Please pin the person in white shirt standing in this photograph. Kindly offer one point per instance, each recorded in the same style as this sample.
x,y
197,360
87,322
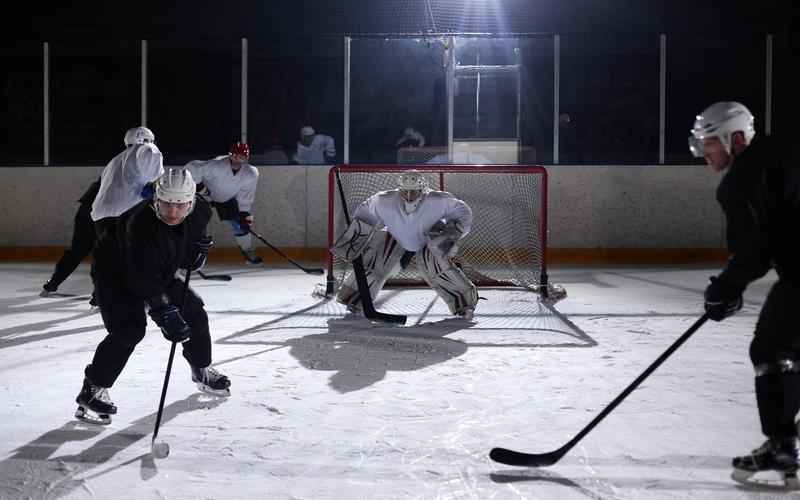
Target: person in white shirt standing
x,y
391,227
314,149
231,184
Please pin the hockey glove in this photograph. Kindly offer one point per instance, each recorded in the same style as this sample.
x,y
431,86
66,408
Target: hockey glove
x,y
201,247
443,236
722,299
149,191
172,325
245,221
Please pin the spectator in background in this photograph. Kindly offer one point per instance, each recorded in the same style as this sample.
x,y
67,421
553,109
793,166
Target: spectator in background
x,y
314,149
411,139
568,150
275,155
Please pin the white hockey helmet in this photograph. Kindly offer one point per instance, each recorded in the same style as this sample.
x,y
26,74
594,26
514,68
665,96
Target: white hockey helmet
x,y
175,186
139,135
721,120
413,187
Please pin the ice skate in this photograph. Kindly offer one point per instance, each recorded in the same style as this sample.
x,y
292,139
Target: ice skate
x,y
553,293
47,289
780,456
94,404
466,314
251,257
210,381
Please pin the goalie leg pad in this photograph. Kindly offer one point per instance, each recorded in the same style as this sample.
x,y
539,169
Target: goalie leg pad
x,y
354,241
449,282
381,259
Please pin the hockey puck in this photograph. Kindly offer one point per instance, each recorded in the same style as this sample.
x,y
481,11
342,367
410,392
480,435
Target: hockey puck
x,y
160,449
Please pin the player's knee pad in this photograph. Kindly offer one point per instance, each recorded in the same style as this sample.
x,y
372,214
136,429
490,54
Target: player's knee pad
x,y
449,281
381,258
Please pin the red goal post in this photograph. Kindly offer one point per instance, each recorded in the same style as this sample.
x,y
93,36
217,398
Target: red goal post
x,y
507,245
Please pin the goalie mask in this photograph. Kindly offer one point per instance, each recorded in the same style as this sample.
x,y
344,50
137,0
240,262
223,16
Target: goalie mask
x,y
139,135
413,187
721,120
174,196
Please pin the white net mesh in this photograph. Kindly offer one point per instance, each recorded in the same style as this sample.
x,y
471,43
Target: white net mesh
x,y
508,239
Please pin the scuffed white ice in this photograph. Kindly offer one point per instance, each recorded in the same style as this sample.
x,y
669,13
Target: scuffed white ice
x,y
328,406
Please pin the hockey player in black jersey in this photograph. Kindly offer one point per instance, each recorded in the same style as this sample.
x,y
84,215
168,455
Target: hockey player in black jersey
x,y
760,196
155,239
83,237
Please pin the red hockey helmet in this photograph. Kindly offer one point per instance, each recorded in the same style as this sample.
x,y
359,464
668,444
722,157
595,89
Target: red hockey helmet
x,y
240,148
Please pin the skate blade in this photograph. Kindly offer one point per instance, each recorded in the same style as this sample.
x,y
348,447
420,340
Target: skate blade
x,y
320,291
221,393
91,417
768,479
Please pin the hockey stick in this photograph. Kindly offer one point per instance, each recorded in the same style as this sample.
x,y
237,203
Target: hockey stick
x,y
511,457
214,277
361,276
161,450
309,270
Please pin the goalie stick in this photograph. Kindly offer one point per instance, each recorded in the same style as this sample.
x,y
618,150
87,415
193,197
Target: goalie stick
x,y
215,277
361,277
309,270
511,457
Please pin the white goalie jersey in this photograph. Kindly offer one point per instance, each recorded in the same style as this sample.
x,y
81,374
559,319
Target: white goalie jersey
x,y
411,230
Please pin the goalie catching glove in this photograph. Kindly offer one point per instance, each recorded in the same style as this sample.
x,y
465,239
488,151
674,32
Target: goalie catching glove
x,y
443,236
353,241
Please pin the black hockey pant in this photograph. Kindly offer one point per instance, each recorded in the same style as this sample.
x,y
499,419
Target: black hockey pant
x,y
125,319
83,238
775,353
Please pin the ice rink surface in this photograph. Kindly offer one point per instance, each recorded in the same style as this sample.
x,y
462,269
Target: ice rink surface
x,y
325,406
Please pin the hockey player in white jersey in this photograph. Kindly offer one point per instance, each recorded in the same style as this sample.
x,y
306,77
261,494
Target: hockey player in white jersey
x,y
124,183
124,179
391,227
231,184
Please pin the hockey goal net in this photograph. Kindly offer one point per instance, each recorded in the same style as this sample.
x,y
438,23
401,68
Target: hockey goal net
x,y
508,241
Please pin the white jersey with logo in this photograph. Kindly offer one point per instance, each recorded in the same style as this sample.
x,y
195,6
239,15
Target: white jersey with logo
x,y
321,147
411,230
223,183
123,179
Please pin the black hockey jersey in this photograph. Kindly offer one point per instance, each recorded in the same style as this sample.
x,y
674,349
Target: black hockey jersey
x,y
760,196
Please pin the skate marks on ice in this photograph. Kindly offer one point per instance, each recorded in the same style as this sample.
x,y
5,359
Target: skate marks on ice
x,y
26,321
361,358
610,477
37,470
512,318
360,352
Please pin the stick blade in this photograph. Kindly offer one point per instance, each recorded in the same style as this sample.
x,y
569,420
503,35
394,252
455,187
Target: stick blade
x,y
218,277
315,271
396,319
511,457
